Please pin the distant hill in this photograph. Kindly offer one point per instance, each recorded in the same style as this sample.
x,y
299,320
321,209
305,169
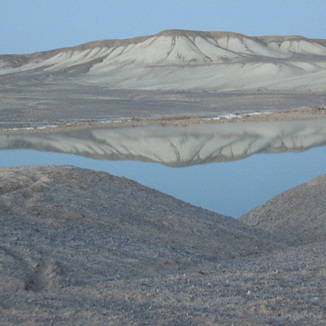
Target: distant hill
x,y
181,60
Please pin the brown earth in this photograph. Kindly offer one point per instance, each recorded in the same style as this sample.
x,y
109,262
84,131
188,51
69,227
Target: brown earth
x,y
85,248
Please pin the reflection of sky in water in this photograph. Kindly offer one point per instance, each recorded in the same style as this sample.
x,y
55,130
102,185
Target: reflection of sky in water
x,y
230,188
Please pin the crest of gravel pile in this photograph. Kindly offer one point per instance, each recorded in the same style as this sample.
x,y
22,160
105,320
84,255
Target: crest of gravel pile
x,y
297,215
68,226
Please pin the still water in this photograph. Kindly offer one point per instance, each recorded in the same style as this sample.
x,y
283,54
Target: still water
x,y
228,168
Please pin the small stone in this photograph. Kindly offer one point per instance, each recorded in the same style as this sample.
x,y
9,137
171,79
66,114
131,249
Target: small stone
x,y
314,299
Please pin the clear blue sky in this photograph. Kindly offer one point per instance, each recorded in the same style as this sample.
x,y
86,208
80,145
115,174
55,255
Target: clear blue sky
x,y
29,26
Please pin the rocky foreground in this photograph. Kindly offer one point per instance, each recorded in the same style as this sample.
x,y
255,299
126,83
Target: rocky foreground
x,y
85,248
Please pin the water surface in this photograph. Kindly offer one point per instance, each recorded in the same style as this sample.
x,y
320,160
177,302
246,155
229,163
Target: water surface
x,y
227,168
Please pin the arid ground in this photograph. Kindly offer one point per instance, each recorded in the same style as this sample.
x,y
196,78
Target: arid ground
x,y
85,248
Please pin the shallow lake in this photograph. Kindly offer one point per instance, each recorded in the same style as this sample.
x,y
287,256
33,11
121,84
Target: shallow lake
x,y
227,168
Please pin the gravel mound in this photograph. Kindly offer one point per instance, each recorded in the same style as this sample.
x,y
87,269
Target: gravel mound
x,y
79,247
107,228
297,215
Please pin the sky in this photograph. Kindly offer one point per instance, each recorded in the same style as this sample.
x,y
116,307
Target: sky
x,y
28,26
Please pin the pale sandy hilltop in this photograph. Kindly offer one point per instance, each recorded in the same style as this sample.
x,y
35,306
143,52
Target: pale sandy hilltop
x,y
84,248
171,74
184,60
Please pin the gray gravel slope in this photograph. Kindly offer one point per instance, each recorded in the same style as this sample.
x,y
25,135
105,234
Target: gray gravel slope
x,y
297,215
79,247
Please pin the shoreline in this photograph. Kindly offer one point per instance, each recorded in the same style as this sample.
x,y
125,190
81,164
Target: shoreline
x,y
50,126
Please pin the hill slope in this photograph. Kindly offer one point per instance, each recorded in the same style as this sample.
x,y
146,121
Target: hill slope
x,y
183,60
107,227
84,248
298,215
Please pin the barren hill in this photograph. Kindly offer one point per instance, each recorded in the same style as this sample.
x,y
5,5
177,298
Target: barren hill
x,y
105,224
181,60
84,248
297,215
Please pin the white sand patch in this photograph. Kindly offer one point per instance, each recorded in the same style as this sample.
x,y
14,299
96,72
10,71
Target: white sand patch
x,y
303,46
234,116
213,51
31,128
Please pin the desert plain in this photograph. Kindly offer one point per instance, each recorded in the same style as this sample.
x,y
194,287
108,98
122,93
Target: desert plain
x,y
80,247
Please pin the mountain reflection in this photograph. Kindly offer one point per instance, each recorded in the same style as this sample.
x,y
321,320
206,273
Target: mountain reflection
x,y
179,146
